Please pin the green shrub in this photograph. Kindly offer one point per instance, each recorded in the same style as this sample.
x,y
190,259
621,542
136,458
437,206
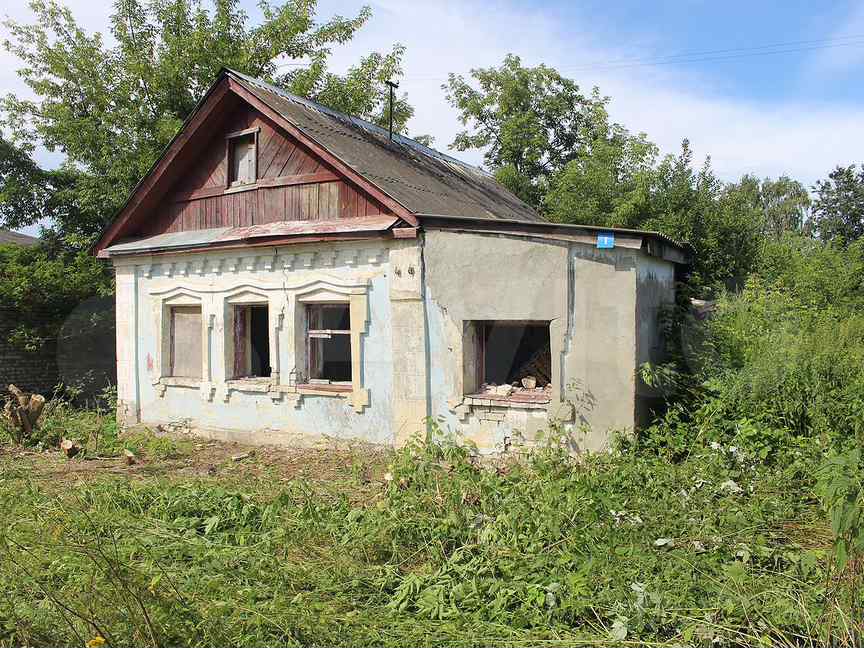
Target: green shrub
x,y
781,363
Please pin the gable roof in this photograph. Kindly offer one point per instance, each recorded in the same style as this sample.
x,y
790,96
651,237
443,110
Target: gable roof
x,y
419,185
423,180
8,237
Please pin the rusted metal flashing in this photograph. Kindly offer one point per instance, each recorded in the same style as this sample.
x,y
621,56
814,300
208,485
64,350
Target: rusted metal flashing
x,y
264,234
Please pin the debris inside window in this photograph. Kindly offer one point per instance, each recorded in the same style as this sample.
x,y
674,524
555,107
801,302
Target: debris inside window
x,y
514,360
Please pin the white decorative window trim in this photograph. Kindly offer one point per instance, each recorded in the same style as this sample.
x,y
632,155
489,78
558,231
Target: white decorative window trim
x,y
281,301
356,295
160,378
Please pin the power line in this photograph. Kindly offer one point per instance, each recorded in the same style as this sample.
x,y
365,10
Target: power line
x,y
789,47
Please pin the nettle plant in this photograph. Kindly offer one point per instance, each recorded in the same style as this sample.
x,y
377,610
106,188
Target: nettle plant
x,y
841,488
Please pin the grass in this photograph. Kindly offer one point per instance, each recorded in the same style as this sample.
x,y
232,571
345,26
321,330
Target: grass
x,y
420,547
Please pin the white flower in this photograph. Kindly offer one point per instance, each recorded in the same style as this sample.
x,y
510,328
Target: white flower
x,y
730,486
388,477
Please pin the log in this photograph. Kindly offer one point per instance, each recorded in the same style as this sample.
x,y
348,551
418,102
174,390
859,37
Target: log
x,y
23,411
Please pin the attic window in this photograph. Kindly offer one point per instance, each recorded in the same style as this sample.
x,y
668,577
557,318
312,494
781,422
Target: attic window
x,y
242,157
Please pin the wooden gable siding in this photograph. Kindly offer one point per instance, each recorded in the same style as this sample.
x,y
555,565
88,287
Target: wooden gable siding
x,y
293,184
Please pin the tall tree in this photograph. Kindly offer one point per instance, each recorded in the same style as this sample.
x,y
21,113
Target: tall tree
x,y
785,205
112,109
530,122
838,210
609,181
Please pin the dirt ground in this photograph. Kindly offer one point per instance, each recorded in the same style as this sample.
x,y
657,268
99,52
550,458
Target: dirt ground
x,y
194,457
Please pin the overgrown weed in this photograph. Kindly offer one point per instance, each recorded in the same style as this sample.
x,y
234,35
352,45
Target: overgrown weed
x,y
612,548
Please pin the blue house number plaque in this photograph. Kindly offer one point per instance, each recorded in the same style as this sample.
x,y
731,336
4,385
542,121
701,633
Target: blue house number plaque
x,y
606,241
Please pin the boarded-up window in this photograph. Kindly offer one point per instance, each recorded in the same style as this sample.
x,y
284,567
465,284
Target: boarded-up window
x,y
251,342
241,159
329,343
186,341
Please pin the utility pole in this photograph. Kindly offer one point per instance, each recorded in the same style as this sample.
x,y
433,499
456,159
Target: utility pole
x,y
393,85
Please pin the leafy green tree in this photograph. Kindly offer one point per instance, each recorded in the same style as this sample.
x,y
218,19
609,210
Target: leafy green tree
x,y
785,205
111,109
530,121
608,182
838,211
43,286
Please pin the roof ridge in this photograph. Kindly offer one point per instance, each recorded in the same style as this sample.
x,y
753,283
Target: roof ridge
x,y
361,123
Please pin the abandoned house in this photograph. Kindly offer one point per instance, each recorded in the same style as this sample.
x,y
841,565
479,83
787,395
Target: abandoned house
x,y
286,271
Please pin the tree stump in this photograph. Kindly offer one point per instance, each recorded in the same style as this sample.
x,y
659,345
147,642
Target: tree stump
x,y
22,411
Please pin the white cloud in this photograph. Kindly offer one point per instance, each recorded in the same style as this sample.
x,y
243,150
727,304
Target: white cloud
x,y
802,138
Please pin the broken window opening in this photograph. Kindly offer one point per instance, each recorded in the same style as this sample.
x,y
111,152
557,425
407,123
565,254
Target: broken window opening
x,y
329,344
242,159
513,359
252,342
185,345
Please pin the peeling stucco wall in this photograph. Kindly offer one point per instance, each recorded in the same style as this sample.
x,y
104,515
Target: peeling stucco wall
x,y
655,283
488,277
237,412
589,297
418,295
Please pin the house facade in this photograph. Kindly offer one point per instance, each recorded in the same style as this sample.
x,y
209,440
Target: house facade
x,y
285,272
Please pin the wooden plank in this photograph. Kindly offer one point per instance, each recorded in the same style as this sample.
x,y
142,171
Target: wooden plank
x,y
212,104
207,192
323,153
264,169
269,141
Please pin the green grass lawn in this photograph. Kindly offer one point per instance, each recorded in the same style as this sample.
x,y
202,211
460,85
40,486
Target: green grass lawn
x,y
424,547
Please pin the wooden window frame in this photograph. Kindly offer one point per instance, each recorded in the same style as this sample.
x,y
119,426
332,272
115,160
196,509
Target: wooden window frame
x,y
229,141
311,334
231,363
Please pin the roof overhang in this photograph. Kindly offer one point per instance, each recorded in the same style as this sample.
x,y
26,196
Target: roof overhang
x,y
280,233
653,243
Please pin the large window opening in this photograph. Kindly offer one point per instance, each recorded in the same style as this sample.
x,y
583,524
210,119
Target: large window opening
x,y
185,346
329,343
251,342
511,358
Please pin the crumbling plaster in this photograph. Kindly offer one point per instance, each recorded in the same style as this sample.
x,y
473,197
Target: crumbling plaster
x,y
283,278
417,296
587,295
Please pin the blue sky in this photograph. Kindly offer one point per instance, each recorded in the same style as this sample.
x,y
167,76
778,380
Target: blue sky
x,y
819,31
798,112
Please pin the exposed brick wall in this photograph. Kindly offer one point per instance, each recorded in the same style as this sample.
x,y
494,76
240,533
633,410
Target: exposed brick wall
x,y
85,361
35,372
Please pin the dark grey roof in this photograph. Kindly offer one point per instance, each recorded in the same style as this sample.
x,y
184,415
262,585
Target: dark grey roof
x,y
419,178
8,237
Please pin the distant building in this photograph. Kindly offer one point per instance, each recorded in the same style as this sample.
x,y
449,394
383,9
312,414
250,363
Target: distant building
x,y
287,271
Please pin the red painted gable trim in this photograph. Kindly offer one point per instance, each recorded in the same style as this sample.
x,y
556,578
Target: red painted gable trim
x,y
211,102
323,153
149,181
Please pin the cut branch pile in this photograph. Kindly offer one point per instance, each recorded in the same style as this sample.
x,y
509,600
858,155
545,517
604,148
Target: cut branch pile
x,y
22,412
